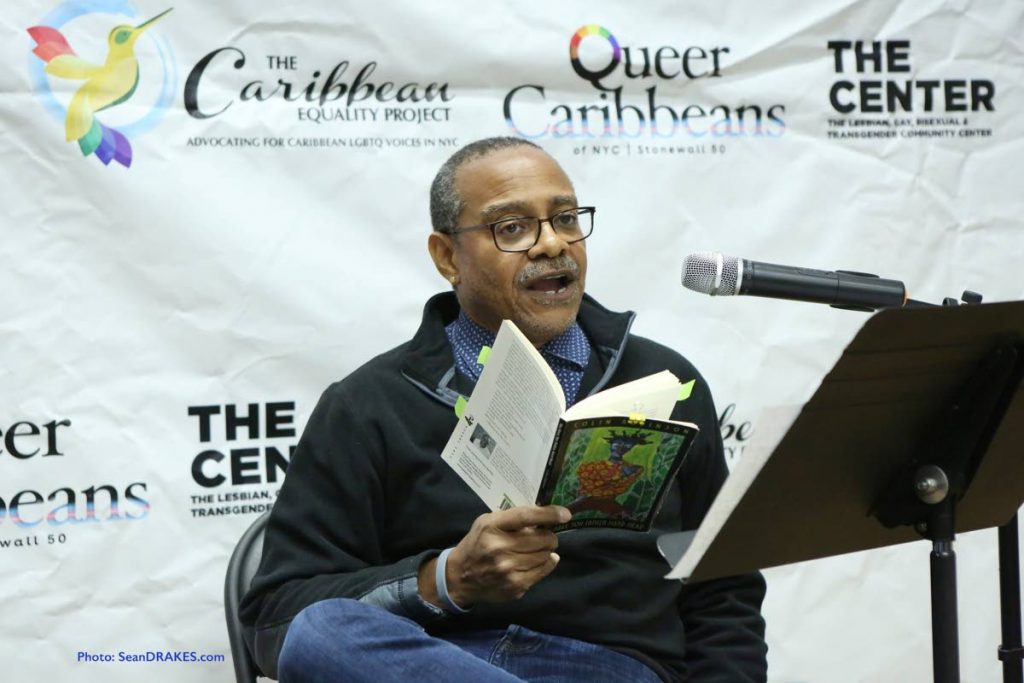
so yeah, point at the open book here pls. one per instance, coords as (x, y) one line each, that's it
(609, 459)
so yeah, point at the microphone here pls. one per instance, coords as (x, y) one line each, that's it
(712, 273)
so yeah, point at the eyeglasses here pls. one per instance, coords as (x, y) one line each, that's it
(521, 234)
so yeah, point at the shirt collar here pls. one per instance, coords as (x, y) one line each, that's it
(571, 346)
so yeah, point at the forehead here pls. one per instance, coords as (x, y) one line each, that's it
(512, 177)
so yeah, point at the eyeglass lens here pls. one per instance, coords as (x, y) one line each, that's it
(520, 234)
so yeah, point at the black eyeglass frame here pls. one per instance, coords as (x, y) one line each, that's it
(580, 210)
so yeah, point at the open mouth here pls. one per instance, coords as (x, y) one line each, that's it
(556, 283)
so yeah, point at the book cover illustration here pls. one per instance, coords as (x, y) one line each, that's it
(613, 471)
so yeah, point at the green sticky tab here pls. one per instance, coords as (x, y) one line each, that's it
(685, 390)
(460, 406)
(485, 353)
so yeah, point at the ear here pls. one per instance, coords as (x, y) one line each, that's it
(442, 251)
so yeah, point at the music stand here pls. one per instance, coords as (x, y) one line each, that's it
(915, 431)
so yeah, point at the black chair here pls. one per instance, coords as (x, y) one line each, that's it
(242, 566)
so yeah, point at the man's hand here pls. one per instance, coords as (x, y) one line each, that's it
(503, 555)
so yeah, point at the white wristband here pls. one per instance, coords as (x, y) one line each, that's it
(441, 583)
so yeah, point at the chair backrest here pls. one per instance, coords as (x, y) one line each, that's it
(242, 566)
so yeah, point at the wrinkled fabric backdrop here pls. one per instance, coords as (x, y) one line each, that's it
(169, 321)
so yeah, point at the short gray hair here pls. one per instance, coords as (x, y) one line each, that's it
(445, 202)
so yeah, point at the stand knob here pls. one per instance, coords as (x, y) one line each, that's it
(969, 297)
(931, 484)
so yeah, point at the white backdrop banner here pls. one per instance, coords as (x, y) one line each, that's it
(246, 222)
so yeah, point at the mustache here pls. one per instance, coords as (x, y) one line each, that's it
(538, 269)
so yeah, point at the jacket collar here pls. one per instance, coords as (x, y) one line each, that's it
(428, 361)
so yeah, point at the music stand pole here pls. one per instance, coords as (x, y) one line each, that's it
(1010, 652)
(945, 634)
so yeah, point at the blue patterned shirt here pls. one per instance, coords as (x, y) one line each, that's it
(567, 354)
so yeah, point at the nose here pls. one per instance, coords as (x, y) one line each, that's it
(548, 242)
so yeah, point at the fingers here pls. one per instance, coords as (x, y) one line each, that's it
(530, 540)
(504, 554)
(526, 516)
(523, 580)
(492, 541)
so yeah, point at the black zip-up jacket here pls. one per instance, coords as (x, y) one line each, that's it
(367, 499)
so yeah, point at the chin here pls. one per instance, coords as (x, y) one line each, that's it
(541, 329)
(542, 318)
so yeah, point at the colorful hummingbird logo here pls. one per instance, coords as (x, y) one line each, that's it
(106, 85)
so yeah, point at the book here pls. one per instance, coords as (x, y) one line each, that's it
(610, 458)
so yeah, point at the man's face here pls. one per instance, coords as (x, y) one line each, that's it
(540, 289)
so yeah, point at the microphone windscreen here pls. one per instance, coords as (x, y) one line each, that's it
(708, 272)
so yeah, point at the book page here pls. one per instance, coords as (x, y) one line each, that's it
(772, 425)
(501, 444)
(653, 396)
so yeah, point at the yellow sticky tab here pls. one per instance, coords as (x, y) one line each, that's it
(460, 406)
(685, 390)
(485, 353)
(637, 418)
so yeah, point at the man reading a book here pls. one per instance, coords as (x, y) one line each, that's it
(381, 564)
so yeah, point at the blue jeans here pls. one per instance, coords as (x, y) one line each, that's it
(347, 640)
